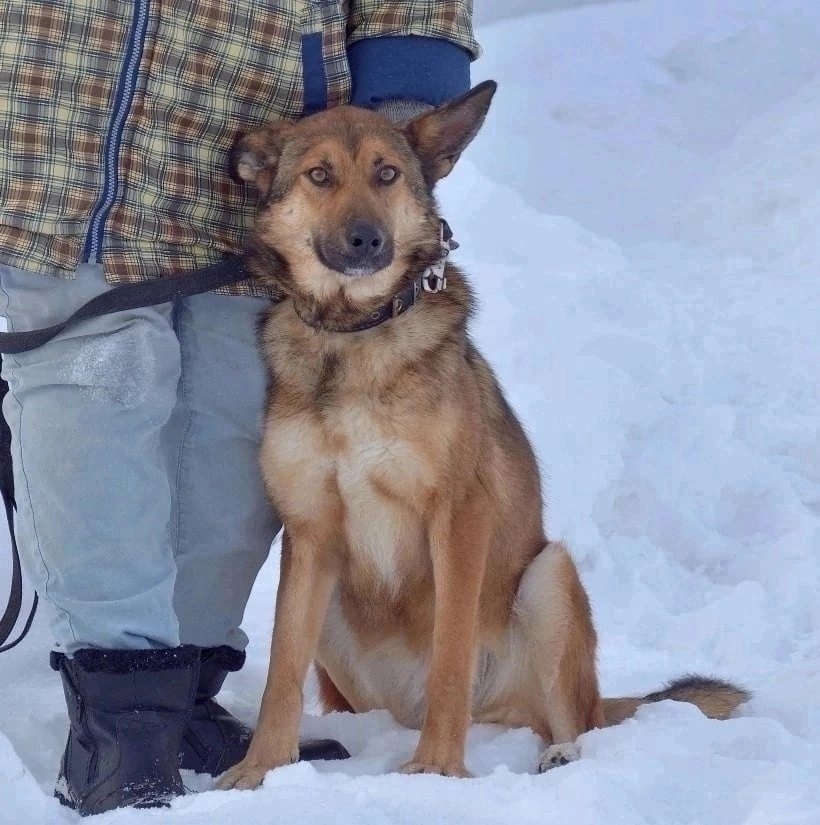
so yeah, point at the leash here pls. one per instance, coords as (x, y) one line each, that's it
(130, 296)
(15, 602)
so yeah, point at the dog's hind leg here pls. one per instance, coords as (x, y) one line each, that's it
(554, 618)
(330, 697)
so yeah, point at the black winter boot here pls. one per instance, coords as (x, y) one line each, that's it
(215, 740)
(128, 711)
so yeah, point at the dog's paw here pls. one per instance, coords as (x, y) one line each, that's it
(249, 774)
(450, 769)
(556, 755)
(241, 777)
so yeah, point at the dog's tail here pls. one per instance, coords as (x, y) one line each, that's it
(714, 697)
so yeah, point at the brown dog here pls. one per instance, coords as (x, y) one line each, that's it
(415, 570)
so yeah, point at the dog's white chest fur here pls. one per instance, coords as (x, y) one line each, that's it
(349, 454)
(372, 471)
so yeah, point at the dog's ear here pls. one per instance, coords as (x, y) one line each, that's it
(254, 155)
(440, 136)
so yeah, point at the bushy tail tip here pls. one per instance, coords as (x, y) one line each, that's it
(716, 698)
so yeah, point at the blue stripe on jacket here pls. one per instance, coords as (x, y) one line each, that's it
(314, 73)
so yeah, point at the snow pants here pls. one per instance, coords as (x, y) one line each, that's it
(141, 516)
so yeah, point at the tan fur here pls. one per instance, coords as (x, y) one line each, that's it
(415, 569)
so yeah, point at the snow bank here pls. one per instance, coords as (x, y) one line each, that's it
(639, 218)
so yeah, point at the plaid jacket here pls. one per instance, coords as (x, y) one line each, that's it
(116, 116)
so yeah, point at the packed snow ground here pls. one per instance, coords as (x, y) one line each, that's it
(640, 219)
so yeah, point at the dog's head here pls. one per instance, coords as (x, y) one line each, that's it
(347, 205)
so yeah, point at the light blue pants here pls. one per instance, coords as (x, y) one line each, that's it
(141, 516)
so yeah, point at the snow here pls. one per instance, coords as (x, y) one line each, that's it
(640, 219)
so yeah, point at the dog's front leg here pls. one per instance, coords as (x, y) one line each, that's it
(306, 581)
(459, 544)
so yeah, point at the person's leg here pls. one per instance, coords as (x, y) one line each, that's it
(222, 524)
(86, 411)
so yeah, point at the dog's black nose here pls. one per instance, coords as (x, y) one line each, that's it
(362, 248)
(364, 240)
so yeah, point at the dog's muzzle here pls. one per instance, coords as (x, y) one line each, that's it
(364, 250)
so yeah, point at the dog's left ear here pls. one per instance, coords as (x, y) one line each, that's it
(254, 155)
(439, 137)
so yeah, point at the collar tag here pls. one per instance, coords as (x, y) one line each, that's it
(433, 279)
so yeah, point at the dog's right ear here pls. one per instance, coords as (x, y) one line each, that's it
(254, 155)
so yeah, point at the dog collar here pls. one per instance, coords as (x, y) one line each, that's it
(432, 279)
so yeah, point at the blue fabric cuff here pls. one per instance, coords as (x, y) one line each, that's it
(407, 67)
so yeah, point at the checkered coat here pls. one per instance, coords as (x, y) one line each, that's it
(116, 116)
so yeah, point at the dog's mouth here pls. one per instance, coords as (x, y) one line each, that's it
(359, 271)
(347, 270)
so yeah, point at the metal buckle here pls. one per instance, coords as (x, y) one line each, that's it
(399, 305)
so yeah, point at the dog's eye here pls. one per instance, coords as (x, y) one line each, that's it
(319, 175)
(388, 174)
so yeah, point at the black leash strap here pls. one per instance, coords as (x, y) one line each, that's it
(146, 293)
(15, 603)
(131, 296)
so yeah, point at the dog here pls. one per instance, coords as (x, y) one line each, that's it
(415, 570)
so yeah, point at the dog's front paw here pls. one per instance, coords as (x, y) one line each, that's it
(556, 755)
(450, 769)
(242, 777)
(249, 773)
